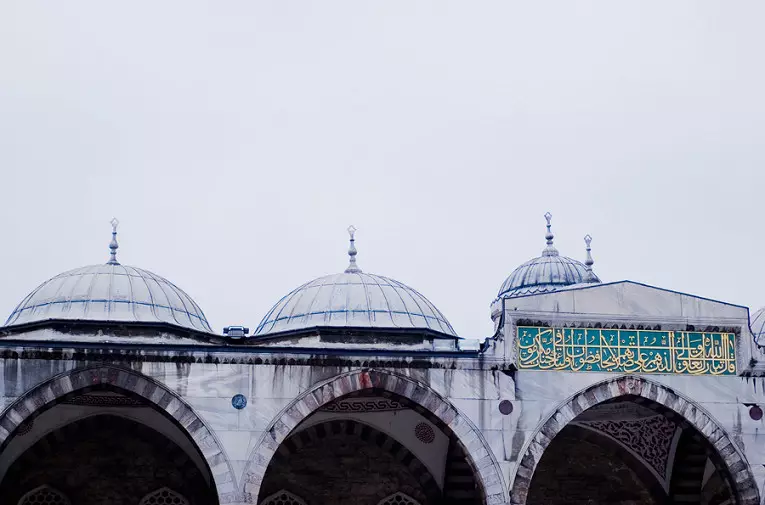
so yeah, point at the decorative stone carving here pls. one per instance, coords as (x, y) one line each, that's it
(398, 499)
(163, 496)
(103, 401)
(44, 495)
(424, 433)
(283, 498)
(359, 405)
(649, 438)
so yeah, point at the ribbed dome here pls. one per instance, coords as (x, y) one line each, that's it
(548, 272)
(543, 274)
(757, 323)
(354, 299)
(357, 300)
(110, 293)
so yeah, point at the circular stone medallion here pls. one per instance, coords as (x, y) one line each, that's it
(505, 407)
(239, 401)
(424, 433)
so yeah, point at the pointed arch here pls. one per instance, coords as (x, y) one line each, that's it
(57, 388)
(670, 402)
(164, 496)
(44, 495)
(398, 499)
(429, 403)
(283, 497)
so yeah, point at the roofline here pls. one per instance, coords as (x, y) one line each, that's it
(53, 322)
(307, 331)
(235, 348)
(247, 341)
(577, 287)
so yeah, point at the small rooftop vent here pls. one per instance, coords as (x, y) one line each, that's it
(236, 331)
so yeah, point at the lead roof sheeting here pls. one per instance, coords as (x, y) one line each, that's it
(110, 293)
(354, 300)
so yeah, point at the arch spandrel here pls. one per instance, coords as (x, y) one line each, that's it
(480, 456)
(51, 391)
(625, 386)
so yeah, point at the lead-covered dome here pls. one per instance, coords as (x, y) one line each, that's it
(354, 299)
(549, 272)
(110, 293)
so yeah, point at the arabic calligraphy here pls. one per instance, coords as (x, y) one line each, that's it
(631, 351)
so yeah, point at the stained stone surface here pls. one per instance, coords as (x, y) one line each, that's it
(474, 393)
(460, 393)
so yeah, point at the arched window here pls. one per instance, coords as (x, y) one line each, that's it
(163, 496)
(283, 498)
(44, 495)
(398, 499)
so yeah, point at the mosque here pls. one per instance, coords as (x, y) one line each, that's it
(354, 389)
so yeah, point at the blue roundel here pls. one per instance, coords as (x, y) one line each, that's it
(239, 401)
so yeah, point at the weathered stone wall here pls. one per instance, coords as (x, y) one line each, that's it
(473, 388)
(270, 389)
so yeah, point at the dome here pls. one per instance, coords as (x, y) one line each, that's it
(354, 299)
(549, 272)
(110, 293)
(757, 324)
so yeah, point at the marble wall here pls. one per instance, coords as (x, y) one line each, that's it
(271, 389)
(496, 437)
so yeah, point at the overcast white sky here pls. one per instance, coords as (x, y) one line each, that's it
(237, 140)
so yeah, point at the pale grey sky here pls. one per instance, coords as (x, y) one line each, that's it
(237, 140)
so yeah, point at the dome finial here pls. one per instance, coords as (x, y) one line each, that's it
(589, 261)
(113, 245)
(352, 268)
(550, 250)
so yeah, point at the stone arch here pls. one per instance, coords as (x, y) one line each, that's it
(641, 388)
(283, 497)
(164, 495)
(55, 389)
(398, 499)
(467, 435)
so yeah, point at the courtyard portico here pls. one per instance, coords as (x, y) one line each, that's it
(355, 389)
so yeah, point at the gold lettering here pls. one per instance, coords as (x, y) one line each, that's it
(630, 351)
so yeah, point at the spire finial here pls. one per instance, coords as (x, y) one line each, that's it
(550, 250)
(113, 245)
(589, 261)
(352, 268)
